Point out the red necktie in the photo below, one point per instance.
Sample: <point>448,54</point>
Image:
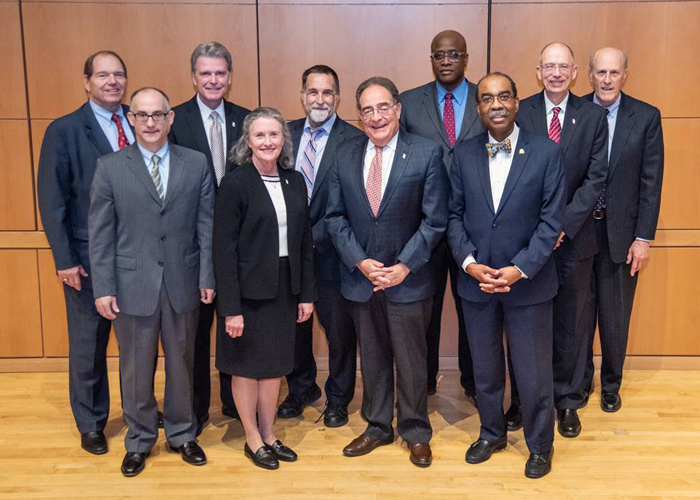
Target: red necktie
<point>448,119</point>
<point>122,140</point>
<point>374,181</point>
<point>555,126</point>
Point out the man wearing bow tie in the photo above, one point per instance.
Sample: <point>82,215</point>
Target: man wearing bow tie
<point>506,212</point>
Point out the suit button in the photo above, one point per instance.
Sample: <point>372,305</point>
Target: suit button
<point>376,222</point>
<point>494,226</point>
<point>163,238</point>
<point>162,212</point>
<point>160,263</point>
<point>376,249</point>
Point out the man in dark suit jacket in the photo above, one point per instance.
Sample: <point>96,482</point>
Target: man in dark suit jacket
<point>581,129</point>
<point>210,124</point>
<point>315,139</point>
<point>150,226</point>
<point>506,213</point>
<point>625,216</point>
<point>387,209</point>
<point>72,145</point>
<point>445,112</point>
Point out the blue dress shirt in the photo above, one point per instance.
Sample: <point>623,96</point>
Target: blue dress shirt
<point>104,118</point>
<point>163,166</point>
<point>321,141</point>
<point>459,103</point>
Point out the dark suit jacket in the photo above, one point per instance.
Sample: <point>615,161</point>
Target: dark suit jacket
<point>524,229</point>
<point>138,242</point>
<point>72,144</point>
<point>246,239</point>
<point>188,129</point>
<point>327,264</point>
<point>585,142</point>
<point>633,186</point>
<point>420,115</point>
<point>412,216</point>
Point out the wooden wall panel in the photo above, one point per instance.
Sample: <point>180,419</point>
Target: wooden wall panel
<point>358,41</point>
<point>661,39</point>
<point>38,130</point>
<point>20,323</point>
<point>154,40</point>
<point>16,195</point>
<point>13,101</point>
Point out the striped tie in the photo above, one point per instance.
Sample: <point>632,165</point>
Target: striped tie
<point>155,175</point>
<point>308,162</point>
<point>216,138</point>
<point>555,126</point>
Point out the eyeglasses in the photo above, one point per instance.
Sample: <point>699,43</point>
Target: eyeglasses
<point>383,109</point>
<point>503,98</point>
<point>313,93</point>
<point>158,116</point>
<point>452,55</point>
<point>550,67</point>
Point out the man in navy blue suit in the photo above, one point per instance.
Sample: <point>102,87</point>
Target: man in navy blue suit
<point>506,212</point>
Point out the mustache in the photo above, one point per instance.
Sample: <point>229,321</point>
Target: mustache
<point>498,113</point>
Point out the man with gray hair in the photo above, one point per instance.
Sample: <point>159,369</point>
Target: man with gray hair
<point>210,124</point>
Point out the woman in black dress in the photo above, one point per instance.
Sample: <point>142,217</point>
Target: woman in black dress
<point>263,263</point>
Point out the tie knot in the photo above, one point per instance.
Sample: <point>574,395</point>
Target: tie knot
<point>378,150</point>
<point>556,111</point>
<point>156,160</point>
<point>116,119</point>
<point>315,132</point>
<point>492,148</point>
<point>448,96</point>
<point>607,112</point>
<point>214,116</point>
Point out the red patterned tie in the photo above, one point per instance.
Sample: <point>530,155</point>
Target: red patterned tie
<point>123,141</point>
<point>555,126</point>
<point>448,119</point>
<point>374,181</point>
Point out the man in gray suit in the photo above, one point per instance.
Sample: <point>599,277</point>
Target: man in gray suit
<point>150,232</point>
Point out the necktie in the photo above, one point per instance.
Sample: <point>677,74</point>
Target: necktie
<point>374,181</point>
<point>555,126</point>
<point>216,138</point>
<point>448,119</point>
<point>308,162</point>
<point>155,175</point>
<point>492,148</point>
<point>600,203</point>
<point>122,141</point>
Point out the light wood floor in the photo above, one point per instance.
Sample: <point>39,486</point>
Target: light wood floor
<point>649,449</point>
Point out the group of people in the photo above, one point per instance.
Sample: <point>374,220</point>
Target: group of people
<point>540,211</point>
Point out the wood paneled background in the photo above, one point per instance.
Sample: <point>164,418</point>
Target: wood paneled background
<point>43,45</point>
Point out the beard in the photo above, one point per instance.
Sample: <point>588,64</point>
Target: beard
<point>320,115</point>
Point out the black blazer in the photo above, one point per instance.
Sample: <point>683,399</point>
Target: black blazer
<point>585,142</point>
<point>326,258</point>
<point>246,239</point>
<point>633,186</point>
<point>188,129</point>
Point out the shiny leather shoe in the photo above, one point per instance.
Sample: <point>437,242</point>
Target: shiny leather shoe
<point>421,454</point>
<point>231,412</point>
<point>335,416</point>
<point>569,423</point>
<point>432,390</point>
<point>282,452</point>
<point>294,404</point>
<point>160,419</point>
<point>481,450</point>
<point>201,424</point>
<point>610,402</point>
<point>94,442</point>
<point>262,458</point>
<point>191,453</point>
<point>587,394</point>
<point>539,464</point>
<point>514,418</point>
<point>362,445</point>
<point>134,462</point>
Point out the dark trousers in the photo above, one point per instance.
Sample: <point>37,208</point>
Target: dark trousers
<point>442,261</point>
<point>138,345</point>
<point>529,334</point>
<point>611,301</point>
<point>334,315</point>
<point>394,332</point>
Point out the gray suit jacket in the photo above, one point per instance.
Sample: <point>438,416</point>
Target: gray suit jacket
<point>138,242</point>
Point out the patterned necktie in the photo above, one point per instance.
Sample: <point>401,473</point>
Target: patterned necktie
<point>216,137</point>
<point>308,162</point>
<point>155,175</point>
<point>122,141</point>
<point>448,119</point>
<point>492,148</point>
<point>374,181</point>
<point>600,203</point>
<point>555,126</point>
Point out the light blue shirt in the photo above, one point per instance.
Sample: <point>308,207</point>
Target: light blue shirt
<point>321,141</point>
<point>163,166</point>
<point>104,118</point>
<point>459,103</point>
<point>612,118</point>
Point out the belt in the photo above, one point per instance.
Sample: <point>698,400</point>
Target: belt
<point>599,214</point>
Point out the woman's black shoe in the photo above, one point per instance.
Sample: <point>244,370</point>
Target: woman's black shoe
<point>282,452</point>
<point>262,458</point>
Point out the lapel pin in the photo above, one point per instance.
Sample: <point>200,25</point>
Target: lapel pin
<point>286,181</point>
<point>233,124</point>
<point>403,156</point>
<point>573,121</point>
<point>521,152</point>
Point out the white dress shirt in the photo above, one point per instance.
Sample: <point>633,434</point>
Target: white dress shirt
<point>274,188</point>
<point>206,112</point>
<point>549,106</point>
<point>388,153</point>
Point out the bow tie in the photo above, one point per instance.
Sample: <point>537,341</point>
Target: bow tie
<point>494,147</point>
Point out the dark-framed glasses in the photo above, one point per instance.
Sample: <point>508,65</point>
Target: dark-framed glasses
<point>452,55</point>
<point>158,116</point>
<point>383,109</point>
<point>503,98</point>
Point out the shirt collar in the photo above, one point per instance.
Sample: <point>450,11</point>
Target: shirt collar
<point>612,109</point>
<point>148,155</point>
<point>513,137</point>
<point>391,145</point>
<point>458,95</point>
<point>105,113</point>
<point>549,105</point>
<point>326,127</point>
<point>207,111</point>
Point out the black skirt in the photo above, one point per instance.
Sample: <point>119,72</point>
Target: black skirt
<point>266,348</point>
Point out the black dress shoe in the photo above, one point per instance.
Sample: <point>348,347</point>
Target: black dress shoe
<point>481,450</point>
<point>160,419</point>
<point>231,412</point>
<point>432,390</point>
<point>610,402</point>
<point>335,416</point>
<point>201,424</point>
<point>539,464</point>
<point>294,404</point>
<point>282,452</point>
<point>569,423</point>
<point>514,418</point>
<point>134,462</point>
<point>94,442</point>
<point>191,453</point>
<point>262,458</point>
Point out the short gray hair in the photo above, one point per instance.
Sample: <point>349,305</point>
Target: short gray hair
<point>241,152</point>
<point>211,49</point>
<point>379,81</point>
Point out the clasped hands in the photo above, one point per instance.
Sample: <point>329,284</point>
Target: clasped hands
<point>383,277</point>
<point>494,280</point>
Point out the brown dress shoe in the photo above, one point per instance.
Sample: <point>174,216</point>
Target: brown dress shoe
<point>421,454</point>
<point>362,445</point>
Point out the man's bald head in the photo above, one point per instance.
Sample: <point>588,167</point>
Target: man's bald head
<point>448,53</point>
<point>455,37</point>
<point>607,72</point>
<point>557,70</point>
